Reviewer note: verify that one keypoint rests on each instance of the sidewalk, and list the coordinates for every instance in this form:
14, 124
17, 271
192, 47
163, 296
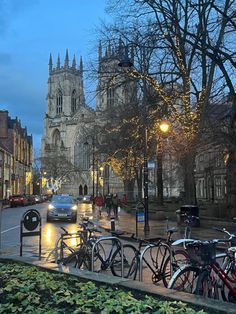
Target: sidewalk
127, 222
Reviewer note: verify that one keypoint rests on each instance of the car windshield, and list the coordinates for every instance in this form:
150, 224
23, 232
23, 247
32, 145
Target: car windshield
62, 199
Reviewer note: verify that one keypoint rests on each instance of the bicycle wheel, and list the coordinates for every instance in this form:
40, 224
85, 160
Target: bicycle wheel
206, 286
184, 279
153, 260
80, 259
179, 259
130, 262
229, 268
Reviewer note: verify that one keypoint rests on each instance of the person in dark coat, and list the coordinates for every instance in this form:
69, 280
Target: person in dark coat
108, 203
115, 204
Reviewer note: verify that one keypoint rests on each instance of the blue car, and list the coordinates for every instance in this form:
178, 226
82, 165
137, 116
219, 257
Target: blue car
62, 207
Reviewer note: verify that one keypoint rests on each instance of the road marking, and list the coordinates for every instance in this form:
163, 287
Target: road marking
10, 229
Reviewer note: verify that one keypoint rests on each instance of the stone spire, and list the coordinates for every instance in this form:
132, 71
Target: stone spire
66, 62
82, 81
81, 66
74, 63
100, 51
58, 62
50, 63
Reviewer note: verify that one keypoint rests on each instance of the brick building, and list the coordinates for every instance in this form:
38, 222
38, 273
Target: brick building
16, 148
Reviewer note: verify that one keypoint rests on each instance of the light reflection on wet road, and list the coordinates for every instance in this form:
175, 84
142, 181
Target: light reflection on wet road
50, 231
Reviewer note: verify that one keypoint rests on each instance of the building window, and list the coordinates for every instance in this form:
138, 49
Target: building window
201, 188
73, 102
218, 187
82, 156
110, 97
59, 102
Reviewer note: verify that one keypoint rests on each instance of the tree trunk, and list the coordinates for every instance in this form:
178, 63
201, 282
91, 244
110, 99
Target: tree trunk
231, 184
129, 189
139, 179
188, 164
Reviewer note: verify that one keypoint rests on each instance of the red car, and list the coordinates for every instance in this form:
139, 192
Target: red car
18, 200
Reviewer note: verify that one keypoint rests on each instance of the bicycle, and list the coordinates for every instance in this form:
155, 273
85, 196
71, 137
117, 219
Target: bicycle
199, 276
170, 260
103, 258
214, 277
57, 255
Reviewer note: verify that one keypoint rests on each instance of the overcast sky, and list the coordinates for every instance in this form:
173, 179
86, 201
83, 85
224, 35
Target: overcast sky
29, 31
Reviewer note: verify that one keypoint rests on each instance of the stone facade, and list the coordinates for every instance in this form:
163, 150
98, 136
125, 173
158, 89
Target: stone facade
69, 124
16, 148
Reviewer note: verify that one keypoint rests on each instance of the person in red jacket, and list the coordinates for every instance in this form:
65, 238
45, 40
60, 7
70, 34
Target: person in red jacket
99, 202
124, 200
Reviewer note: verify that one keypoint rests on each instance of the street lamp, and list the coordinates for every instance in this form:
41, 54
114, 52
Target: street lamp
164, 128
126, 64
93, 165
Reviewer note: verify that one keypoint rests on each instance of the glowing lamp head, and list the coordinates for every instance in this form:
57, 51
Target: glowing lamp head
164, 126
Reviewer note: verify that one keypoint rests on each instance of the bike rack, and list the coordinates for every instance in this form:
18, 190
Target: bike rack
147, 247
59, 253
122, 252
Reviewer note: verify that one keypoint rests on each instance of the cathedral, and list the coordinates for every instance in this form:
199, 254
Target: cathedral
68, 148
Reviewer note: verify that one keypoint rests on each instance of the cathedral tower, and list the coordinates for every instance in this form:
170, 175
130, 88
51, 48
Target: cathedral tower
66, 123
65, 88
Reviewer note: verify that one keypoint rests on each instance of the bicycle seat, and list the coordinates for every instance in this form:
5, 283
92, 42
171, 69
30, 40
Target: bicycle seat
171, 230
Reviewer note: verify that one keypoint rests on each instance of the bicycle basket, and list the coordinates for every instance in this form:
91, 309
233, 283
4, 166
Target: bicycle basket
203, 253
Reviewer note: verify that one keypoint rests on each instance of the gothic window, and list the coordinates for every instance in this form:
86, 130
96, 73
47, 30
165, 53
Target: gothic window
73, 101
82, 155
59, 102
110, 97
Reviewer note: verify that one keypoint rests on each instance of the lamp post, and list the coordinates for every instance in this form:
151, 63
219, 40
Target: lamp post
164, 128
127, 64
93, 166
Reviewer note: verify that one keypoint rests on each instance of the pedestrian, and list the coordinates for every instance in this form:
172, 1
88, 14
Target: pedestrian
115, 203
108, 204
99, 202
124, 200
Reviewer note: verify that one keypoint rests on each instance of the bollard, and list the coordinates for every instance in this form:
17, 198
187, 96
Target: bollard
113, 225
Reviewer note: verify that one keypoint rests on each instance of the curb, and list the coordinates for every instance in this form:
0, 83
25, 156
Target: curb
198, 302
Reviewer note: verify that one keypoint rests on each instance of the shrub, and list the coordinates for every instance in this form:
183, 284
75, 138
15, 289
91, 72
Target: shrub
28, 289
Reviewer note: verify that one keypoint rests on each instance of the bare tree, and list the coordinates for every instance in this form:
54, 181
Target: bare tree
187, 40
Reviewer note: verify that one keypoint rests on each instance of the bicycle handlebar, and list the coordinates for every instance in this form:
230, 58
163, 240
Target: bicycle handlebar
223, 230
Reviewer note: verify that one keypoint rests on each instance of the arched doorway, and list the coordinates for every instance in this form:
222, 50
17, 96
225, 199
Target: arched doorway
80, 190
85, 190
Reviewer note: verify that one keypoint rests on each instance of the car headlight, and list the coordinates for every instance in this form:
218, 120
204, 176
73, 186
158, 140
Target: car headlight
84, 198
50, 207
74, 207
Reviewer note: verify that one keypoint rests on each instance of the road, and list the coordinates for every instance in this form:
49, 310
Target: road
51, 231
10, 229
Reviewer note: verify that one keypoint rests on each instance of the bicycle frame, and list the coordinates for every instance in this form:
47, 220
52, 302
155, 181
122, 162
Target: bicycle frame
224, 277
61, 245
114, 239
